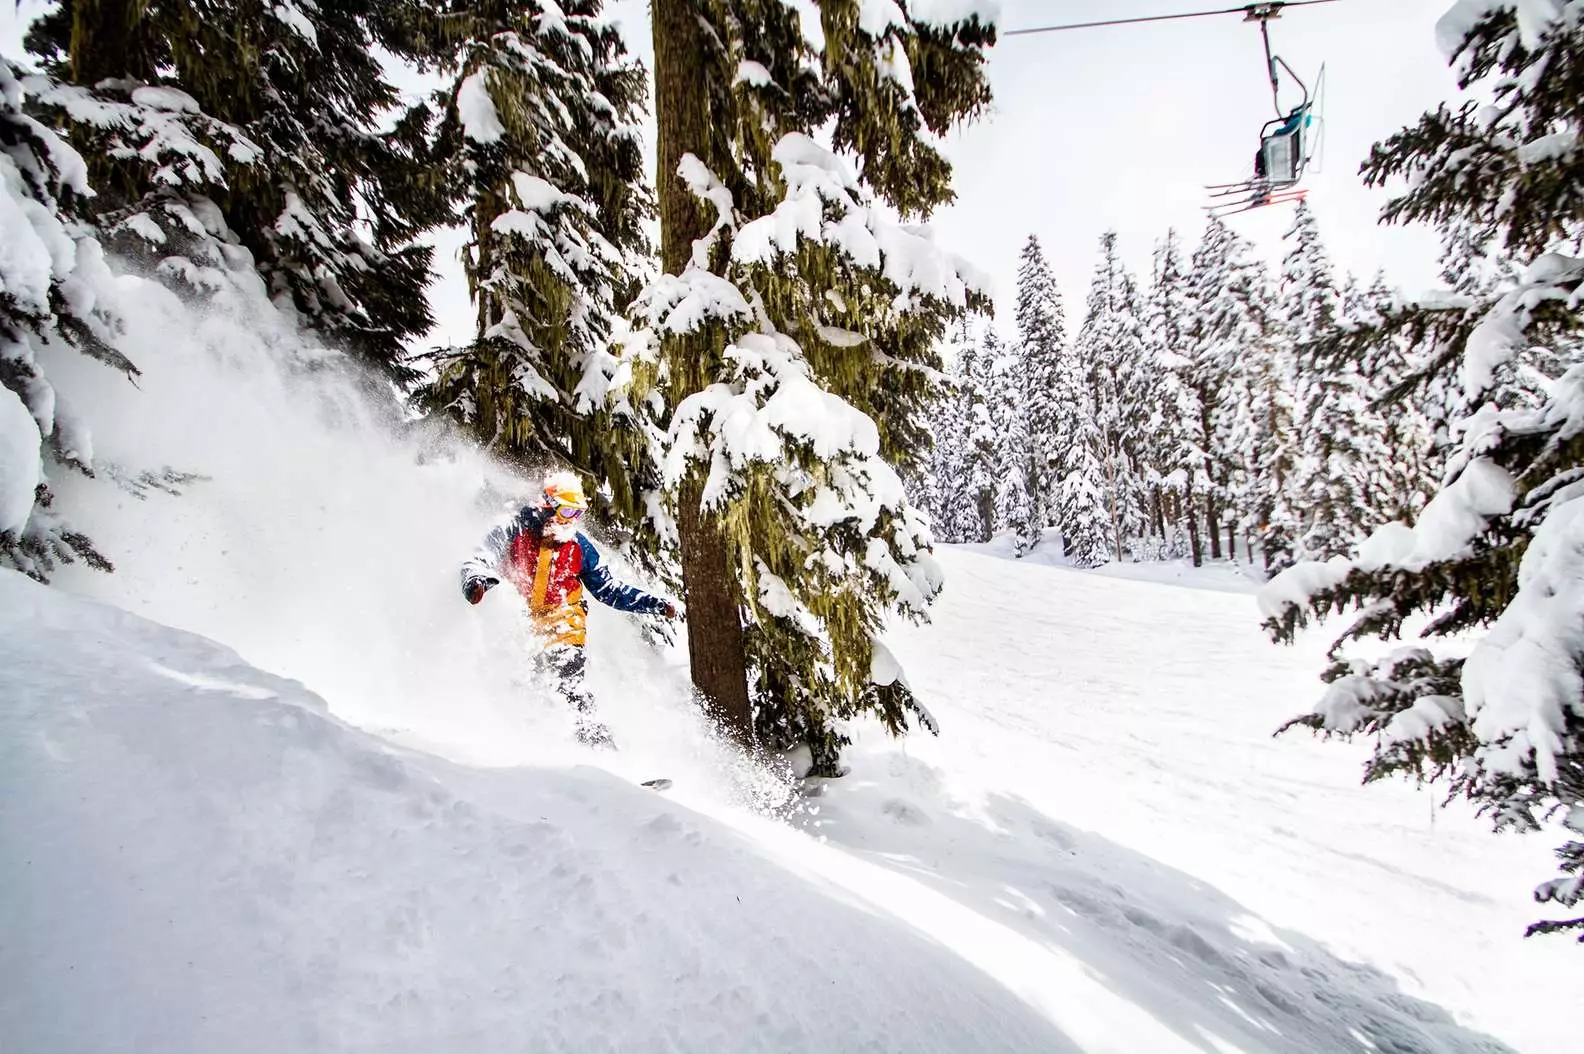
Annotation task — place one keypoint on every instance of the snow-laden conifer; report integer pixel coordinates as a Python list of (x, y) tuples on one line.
[(263, 125), (1082, 501), (796, 333), (1332, 479), (1174, 458), (1009, 416), (1404, 462), (982, 452), (1110, 350), (1270, 458), (541, 143), (1042, 337), (51, 272), (1496, 554), (1225, 326), (951, 416)]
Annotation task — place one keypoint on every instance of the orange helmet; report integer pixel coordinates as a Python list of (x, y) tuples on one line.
[(563, 490)]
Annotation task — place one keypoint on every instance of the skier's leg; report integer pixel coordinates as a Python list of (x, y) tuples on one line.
[(568, 663)]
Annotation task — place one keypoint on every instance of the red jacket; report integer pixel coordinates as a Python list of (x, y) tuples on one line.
[(551, 576)]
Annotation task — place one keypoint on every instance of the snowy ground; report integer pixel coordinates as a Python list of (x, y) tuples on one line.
[(1105, 850), (1227, 881)]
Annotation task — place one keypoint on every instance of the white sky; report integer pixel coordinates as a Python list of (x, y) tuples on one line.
[(1121, 128)]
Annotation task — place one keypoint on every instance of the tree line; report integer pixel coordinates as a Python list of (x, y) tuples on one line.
[(1193, 415)]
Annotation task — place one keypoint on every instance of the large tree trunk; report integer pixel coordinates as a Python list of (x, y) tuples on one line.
[(1191, 515), (709, 586)]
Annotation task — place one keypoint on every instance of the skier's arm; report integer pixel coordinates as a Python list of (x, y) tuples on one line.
[(597, 578), (482, 570)]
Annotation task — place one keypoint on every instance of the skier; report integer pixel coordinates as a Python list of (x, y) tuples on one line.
[(543, 554)]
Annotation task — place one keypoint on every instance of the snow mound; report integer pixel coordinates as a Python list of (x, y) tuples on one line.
[(198, 857)]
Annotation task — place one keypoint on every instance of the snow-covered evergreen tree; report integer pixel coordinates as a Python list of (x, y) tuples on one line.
[(1403, 465), (1332, 480), (1272, 455), (982, 456), (795, 331), (1042, 338), (1223, 327), (1173, 458), (1009, 418), (50, 271), (951, 416), (294, 163), (540, 138), (1110, 349), (1082, 502), (1495, 556)]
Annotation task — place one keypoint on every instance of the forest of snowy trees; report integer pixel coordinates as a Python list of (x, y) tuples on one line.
[(1192, 415)]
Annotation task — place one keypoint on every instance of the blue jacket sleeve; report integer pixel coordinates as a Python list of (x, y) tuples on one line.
[(597, 578), (485, 564)]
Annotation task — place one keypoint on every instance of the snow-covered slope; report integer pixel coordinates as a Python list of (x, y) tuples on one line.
[(197, 857), (1106, 783), (1104, 851)]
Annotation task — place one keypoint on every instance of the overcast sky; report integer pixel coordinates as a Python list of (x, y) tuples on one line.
[(1121, 128)]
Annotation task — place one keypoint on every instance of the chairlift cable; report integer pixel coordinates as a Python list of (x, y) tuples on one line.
[(1252, 10)]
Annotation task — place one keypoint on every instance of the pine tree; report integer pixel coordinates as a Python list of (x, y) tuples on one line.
[(982, 460), (1173, 457), (1223, 327), (1042, 338), (1332, 486), (1110, 351), (1082, 501), (1397, 446), (282, 106), (1009, 416), (950, 416), (49, 274), (540, 134), (801, 356), (1273, 454), (1494, 556)]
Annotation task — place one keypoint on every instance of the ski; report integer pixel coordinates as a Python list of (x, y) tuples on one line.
[(659, 784)]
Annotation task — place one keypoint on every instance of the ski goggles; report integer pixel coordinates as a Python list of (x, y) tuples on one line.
[(568, 512)]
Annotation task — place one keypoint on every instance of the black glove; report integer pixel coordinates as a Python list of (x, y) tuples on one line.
[(475, 588)]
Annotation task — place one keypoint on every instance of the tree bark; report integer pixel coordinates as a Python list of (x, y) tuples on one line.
[(1194, 543), (709, 586)]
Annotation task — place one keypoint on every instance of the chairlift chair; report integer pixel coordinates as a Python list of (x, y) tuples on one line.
[(1287, 142)]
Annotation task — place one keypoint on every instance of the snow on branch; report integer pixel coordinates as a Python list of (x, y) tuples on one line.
[(1535, 17), (160, 127), (946, 13), (825, 204)]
